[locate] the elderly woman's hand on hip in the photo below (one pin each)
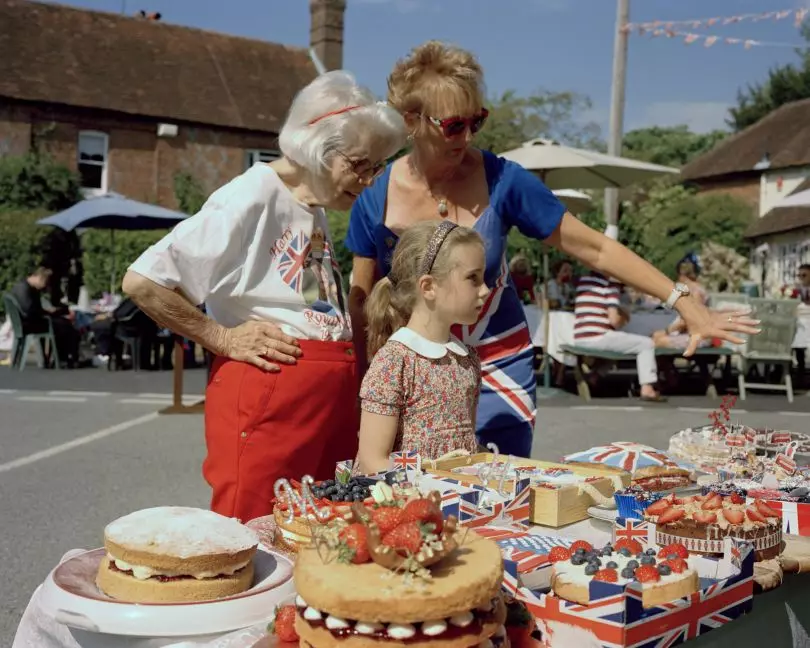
(258, 342)
(705, 324)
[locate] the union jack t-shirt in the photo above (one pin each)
(253, 252)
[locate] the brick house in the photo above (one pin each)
(130, 102)
(763, 164)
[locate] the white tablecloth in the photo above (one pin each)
(802, 339)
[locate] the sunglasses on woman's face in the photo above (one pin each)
(455, 126)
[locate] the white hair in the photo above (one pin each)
(312, 145)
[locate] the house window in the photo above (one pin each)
(92, 152)
(260, 155)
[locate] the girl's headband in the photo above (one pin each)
(435, 244)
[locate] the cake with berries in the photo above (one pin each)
(702, 522)
(664, 574)
(398, 572)
(330, 499)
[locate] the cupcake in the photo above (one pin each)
(632, 501)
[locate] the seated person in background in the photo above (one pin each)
(803, 284)
(36, 318)
(675, 336)
(561, 286)
(523, 278)
(127, 319)
(598, 315)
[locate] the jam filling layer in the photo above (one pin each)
(168, 579)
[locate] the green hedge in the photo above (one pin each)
(97, 256)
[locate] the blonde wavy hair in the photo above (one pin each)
(437, 77)
(391, 302)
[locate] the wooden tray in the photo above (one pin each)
(552, 507)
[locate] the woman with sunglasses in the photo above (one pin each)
(439, 90)
(259, 255)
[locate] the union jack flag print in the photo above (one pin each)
(617, 617)
(632, 529)
(795, 516)
(623, 454)
(409, 459)
(293, 260)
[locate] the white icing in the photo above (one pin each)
(142, 572)
(401, 630)
(571, 573)
(180, 531)
(311, 614)
(300, 602)
(367, 627)
(434, 628)
(462, 620)
(336, 623)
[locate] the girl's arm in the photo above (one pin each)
(377, 435)
(363, 272)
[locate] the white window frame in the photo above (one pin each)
(105, 138)
(260, 155)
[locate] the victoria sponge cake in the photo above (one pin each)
(172, 554)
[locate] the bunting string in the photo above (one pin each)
(708, 40)
(798, 16)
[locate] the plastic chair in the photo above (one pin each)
(22, 341)
(133, 342)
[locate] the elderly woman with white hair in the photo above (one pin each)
(280, 400)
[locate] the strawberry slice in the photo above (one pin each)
(766, 510)
(647, 574)
(656, 508)
(558, 554)
(736, 498)
(733, 516)
(633, 545)
(755, 516)
(706, 517)
(606, 576)
(713, 503)
(671, 515)
(674, 548)
(581, 544)
(677, 565)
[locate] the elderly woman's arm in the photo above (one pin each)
(614, 260)
(253, 342)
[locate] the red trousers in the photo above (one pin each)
(260, 427)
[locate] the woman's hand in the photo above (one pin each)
(257, 342)
(705, 324)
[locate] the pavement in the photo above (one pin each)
(81, 448)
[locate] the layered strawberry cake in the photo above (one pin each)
(664, 574)
(702, 522)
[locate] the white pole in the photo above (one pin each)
(617, 96)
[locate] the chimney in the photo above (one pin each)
(326, 31)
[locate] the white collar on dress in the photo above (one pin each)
(427, 348)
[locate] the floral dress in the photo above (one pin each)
(433, 389)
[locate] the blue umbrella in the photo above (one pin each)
(113, 211)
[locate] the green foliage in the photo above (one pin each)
(552, 115)
(189, 193)
(785, 84)
(674, 220)
(669, 146)
(100, 247)
(338, 227)
(20, 245)
(34, 181)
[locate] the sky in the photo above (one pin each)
(526, 45)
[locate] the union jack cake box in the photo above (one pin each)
(525, 555)
(616, 617)
(795, 515)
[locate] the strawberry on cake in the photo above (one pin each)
(664, 576)
(702, 522)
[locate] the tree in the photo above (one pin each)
(188, 192)
(785, 84)
(552, 115)
(672, 146)
(35, 181)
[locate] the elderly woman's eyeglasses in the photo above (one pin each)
(366, 169)
(454, 126)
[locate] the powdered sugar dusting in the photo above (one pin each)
(180, 531)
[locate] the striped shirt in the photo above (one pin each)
(595, 294)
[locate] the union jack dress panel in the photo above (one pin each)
(507, 408)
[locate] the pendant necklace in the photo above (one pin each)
(442, 207)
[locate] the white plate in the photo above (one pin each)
(71, 597)
(604, 514)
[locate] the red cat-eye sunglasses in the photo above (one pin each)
(454, 126)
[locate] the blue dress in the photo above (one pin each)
(507, 407)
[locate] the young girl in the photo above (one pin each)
(421, 390)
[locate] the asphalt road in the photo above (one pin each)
(79, 449)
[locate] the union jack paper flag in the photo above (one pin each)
(406, 460)
(795, 516)
(633, 529)
(293, 260)
(625, 455)
(617, 618)
(343, 469)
